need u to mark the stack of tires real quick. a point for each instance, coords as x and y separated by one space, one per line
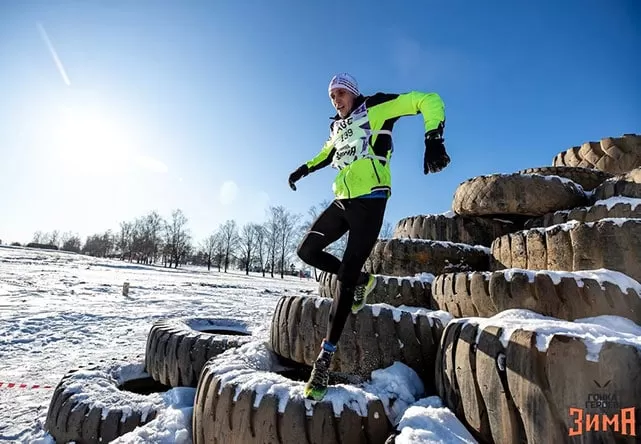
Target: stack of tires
520 309
255 395
560 273
100 402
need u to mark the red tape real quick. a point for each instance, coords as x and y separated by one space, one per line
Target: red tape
24 386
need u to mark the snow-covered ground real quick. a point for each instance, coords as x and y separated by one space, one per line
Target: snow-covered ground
61 310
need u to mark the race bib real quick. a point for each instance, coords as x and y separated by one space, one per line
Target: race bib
350 137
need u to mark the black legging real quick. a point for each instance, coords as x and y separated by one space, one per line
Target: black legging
363 219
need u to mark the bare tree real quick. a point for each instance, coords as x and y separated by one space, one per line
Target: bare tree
48 238
261 246
177 238
64 237
286 223
138 239
209 248
152 228
54 238
125 240
100 245
37 237
71 242
247 242
229 239
272 236
219 249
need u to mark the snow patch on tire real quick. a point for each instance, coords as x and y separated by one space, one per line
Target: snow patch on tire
253 366
602 276
172 425
90 405
243 386
594 332
611 243
428 421
613 207
219 325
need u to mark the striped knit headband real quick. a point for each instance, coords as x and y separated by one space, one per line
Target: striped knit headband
344 81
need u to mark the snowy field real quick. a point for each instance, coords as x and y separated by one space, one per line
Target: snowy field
60 310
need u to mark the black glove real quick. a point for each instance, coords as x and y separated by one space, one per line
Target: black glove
435 158
297 175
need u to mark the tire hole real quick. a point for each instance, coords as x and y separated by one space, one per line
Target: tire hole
219 331
301 373
143 386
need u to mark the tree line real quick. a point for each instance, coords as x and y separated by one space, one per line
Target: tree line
267 247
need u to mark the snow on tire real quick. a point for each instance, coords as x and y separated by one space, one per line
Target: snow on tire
523 377
588 178
626 185
563 295
453 228
395 291
247 396
516 194
374 338
613 244
614 207
177 349
614 155
408 257
429 421
100 403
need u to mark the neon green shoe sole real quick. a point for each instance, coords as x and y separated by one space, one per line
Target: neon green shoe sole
315 393
360 301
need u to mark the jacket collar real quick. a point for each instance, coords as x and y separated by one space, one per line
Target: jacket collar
357 102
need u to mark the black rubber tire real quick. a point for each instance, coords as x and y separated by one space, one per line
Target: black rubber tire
608 243
573 296
626 185
177 349
588 178
600 210
391 290
454 228
616 155
372 339
240 405
508 390
408 257
73 414
516 194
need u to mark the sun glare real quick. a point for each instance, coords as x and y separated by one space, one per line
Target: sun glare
89 142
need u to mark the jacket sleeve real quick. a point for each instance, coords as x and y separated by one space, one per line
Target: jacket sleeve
430 105
322 159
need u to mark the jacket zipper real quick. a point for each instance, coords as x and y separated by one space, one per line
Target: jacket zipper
346 187
375 172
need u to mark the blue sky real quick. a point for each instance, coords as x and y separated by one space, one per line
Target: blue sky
208 106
